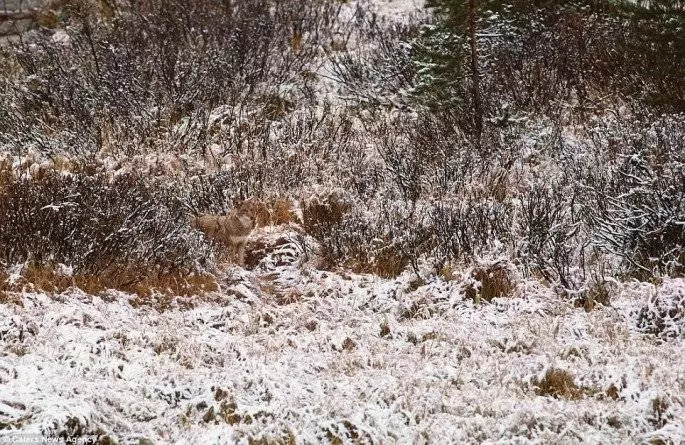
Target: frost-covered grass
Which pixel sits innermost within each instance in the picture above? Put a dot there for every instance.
(291, 353)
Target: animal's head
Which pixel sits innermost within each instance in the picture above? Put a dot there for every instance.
(255, 210)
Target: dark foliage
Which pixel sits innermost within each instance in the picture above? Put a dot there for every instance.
(138, 69)
(124, 228)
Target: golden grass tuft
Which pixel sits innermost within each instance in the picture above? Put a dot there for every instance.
(448, 272)
(420, 308)
(286, 438)
(282, 211)
(275, 211)
(385, 330)
(385, 261)
(558, 383)
(37, 278)
(161, 292)
(348, 344)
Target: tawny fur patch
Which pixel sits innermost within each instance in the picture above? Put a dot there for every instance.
(230, 230)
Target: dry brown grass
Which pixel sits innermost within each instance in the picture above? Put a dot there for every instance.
(448, 272)
(274, 211)
(287, 438)
(38, 278)
(387, 262)
(177, 285)
(226, 411)
(597, 292)
(281, 295)
(385, 330)
(346, 432)
(324, 218)
(495, 280)
(659, 415)
(558, 383)
(348, 344)
(282, 211)
(420, 308)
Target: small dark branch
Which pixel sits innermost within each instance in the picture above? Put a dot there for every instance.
(475, 75)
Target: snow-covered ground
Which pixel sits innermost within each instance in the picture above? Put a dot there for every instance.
(293, 354)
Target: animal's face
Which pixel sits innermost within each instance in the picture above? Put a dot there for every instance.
(255, 210)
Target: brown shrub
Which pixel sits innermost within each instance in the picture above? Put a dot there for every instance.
(99, 225)
(321, 216)
(597, 292)
(387, 262)
(274, 212)
(382, 259)
(349, 239)
(260, 212)
(494, 281)
(557, 383)
(282, 211)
